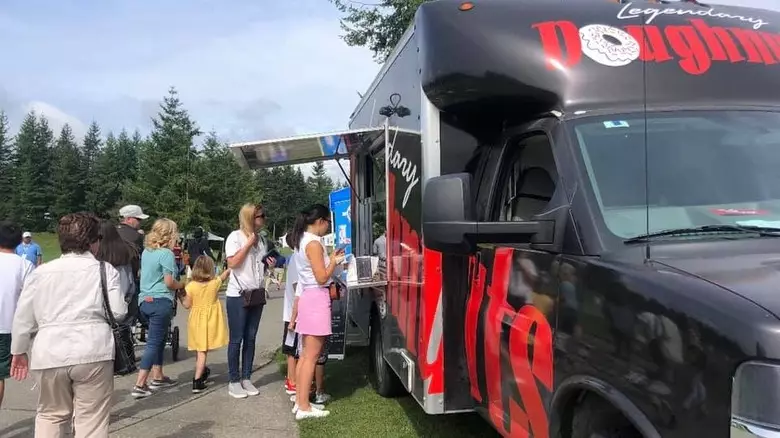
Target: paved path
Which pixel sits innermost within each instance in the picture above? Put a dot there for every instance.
(176, 412)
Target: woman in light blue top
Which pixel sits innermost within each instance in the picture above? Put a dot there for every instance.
(158, 290)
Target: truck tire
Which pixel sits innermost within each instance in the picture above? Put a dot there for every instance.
(594, 417)
(382, 377)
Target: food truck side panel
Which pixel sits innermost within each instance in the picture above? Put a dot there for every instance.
(412, 326)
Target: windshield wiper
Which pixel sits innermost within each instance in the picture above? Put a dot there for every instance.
(761, 231)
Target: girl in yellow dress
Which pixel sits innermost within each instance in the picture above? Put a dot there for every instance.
(206, 327)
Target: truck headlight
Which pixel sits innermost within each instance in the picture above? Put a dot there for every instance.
(755, 401)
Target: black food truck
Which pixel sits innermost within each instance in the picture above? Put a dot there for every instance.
(582, 203)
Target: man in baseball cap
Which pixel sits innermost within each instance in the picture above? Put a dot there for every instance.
(29, 249)
(129, 229)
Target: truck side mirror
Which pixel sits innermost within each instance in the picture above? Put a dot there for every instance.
(449, 222)
(450, 225)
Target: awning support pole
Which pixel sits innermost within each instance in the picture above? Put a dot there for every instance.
(349, 181)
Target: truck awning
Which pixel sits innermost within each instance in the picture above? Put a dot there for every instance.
(305, 149)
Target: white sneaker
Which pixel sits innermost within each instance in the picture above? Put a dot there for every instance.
(314, 413)
(236, 390)
(249, 388)
(322, 398)
(314, 406)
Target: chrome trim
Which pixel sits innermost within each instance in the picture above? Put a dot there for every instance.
(744, 429)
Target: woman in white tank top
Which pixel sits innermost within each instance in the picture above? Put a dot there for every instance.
(315, 272)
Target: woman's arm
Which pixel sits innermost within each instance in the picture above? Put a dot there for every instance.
(116, 299)
(316, 255)
(186, 298)
(237, 259)
(25, 325)
(168, 262)
(293, 315)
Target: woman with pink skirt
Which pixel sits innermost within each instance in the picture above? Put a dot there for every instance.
(311, 317)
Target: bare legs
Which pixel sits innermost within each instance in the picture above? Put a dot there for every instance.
(312, 346)
(291, 368)
(200, 364)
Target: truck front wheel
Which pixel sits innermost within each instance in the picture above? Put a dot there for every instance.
(383, 378)
(595, 418)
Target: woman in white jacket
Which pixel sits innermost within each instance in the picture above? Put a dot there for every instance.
(61, 323)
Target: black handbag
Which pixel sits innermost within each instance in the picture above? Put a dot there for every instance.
(251, 297)
(124, 348)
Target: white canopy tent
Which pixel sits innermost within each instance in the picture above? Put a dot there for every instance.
(328, 240)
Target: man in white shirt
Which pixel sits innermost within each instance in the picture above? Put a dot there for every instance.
(13, 272)
(380, 247)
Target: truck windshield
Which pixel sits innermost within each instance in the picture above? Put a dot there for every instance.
(700, 168)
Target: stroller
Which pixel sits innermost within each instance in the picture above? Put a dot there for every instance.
(140, 326)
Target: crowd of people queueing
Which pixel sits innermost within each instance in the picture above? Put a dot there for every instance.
(54, 317)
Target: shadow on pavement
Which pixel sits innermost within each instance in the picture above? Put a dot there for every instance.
(22, 428)
(193, 430)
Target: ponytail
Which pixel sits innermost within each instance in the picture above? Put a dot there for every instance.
(305, 218)
(294, 237)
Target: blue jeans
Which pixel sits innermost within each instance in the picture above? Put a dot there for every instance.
(243, 323)
(158, 315)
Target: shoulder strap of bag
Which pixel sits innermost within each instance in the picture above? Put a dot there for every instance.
(104, 291)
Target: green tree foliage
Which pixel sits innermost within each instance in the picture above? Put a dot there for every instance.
(91, 149)
(378, 25)
(222, 186)
(7, 168)
(107, 177)
(32, 183)
(167, 181)
(67, 190)
(320, 185)
(166, 173)
(285, 194)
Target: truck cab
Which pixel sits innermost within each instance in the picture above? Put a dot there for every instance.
(619, 217)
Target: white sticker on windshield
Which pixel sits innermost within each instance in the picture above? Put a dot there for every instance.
(759, 223)
(616, 124)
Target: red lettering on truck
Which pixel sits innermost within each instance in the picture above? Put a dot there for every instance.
(695, 46)
(514, 402)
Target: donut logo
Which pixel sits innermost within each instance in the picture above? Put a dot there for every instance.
(694, 47)
(608, 45)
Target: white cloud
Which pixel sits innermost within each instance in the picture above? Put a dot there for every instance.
(57, 118)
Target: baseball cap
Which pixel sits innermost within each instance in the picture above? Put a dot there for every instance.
(132, 211)
(26, 234)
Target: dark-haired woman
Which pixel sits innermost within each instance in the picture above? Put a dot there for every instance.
(61, 322)
(315, 273)
(123, 257)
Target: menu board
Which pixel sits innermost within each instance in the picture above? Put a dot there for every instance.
(337, 344)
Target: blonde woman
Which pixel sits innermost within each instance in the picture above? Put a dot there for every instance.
(246, 254)
(155, 303)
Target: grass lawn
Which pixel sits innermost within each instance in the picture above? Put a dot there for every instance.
(356, 410)
(49, 245)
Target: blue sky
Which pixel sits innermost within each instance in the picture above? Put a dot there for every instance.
(247, 69)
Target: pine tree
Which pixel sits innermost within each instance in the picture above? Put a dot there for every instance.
(320, 185)
(223, 186)
(89, 152)
(32, 173)
(108, 177)
(126, 155)
(67, 190)
(7, 163)
(166, 164)
(285, 194)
